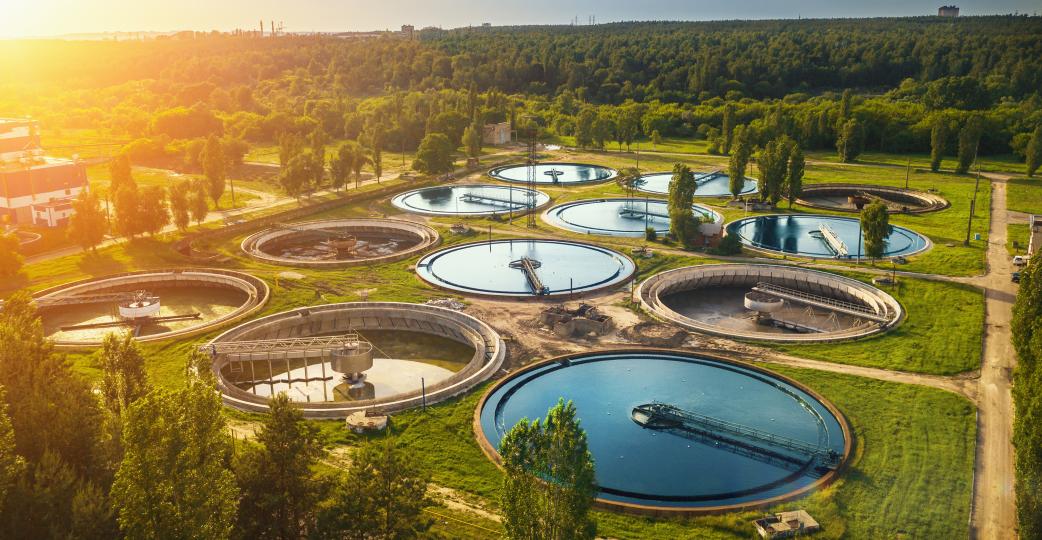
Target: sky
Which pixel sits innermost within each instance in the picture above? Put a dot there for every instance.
(22, 18)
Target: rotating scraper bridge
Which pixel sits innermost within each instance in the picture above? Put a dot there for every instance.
(332, 332)
(768, 288)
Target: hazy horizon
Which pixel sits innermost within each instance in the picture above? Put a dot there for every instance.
(110, 16)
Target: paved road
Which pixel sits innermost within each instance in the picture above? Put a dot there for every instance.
(994, 502)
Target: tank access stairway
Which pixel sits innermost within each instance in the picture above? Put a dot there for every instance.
(746, 440)
(831, 240)
(529, 266)
(824, 302)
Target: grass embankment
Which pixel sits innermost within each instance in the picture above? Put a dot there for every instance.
(911, 474)
(940, 335)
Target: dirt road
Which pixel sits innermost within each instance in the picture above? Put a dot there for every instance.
(994, 502)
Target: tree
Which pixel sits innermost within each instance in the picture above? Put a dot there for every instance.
(382, 495)
(1027, 378)
(846, 105)
(214, 168)
(280, 493)
(851, 141)
(123, 371)
(875, 228)
(472, 140)
(127, 210)
(295, 176)
(197, 205)
(794, 177)
(180, 207)
(340, 165)
(377, 161)
(549, 485)
(152, 210)
(773, 164)
(10, 260)
(434, 155)
(727, 128)
(174, 481)
(938, 140)
(1034, 151)
(656, 139)
(11, 463)
(969, 140)
(88, 224)
(603, 128)
(584, 128)
(290, 145)
(683, 224)
(120, 173)
(739, 161)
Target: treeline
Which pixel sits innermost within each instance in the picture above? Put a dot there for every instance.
(1027, 380)
(128, 458)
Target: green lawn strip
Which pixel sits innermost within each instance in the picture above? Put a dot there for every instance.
(1019, 233)
(1024, 195)
(1005, 163)
(940, 335)
(911, 474)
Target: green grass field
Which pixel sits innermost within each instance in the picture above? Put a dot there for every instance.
(1024, 195)
(911, 473)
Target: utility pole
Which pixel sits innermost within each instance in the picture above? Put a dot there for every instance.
(969, 222)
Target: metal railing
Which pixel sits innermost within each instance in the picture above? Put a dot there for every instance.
(841, 306)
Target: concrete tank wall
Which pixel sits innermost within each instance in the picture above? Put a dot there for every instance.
(253, 245)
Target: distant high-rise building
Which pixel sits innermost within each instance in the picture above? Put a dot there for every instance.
(948, 11)
(408, 30)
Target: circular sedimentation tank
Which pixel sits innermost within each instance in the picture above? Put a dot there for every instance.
(710, 184)
(335, 243)
(555, 173)
(849, 197)
(409, 354)
(623, 217)
(470, 200)
(769, 302)
(523, 268)
(153, 304)
(819, 236)
(673, 432)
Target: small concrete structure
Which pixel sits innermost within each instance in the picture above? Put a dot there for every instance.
(495, 134)
(786, 524)
(332, 319)
(1035, 234)
(256, 291)
(261, 245)
(366, 422)
(874, 310)
(582, 321)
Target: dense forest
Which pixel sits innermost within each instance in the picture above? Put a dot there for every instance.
(677, 79)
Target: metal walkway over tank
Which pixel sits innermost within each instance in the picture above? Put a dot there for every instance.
(634, 212)
(701, 179)
(528, 266)
(847, 308)
(76, 300)
(286, 347)
(664, 416)
(498, 201)
(832, 240)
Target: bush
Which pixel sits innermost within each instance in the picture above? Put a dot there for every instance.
(729, 245)
(650, 234)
